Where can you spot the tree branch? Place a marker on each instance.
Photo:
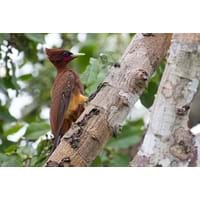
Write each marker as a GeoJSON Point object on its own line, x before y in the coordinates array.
{"type": "Point", "coordinates": [112, 102]}
{"type": "Point", "coordinates": [168, 140]}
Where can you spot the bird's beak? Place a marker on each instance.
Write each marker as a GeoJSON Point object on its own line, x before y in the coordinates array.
{"type": "Point", "coordinates": [77, 55]}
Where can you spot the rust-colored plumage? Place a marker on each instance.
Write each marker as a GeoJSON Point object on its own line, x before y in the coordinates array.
{"type": "Point", "coordinates": [67, 94]}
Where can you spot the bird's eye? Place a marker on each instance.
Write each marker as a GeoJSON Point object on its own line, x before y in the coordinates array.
{"type": "Point", "coordinates": [66, 53]}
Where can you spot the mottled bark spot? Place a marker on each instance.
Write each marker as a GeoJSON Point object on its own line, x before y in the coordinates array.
{"type": "Point", "coordinates": [116, 65]}
{"type": "Point", "coordinates": [148, 34]}
{"type": "Point", "coordinates": [52, 164]}
{"type": "Point", "coordinates": [183, 110]}
{"type": "Point", "coordinates": [167, 90]}
{"type": "Point", "coordinates": [183, 144]}
{"type": "Point", "coordinates": [139, 80]}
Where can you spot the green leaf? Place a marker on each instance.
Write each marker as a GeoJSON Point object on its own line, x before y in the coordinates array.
{"type": "Point", "coordinates": [43, 150]}
{"type": "Point", "coordinates": [44, 146]}
{"type": "Point", "coordinates": [39, 160]}
{"type": "Point", "coordinates": [125, 142]}
{"type": "Point", "coordinates": [83, 61]}
{"type": "Point", "coordinates": [7, 82]}
{"type": "Point", "coordinates": [13, 129]}
{"type": "Point", "coordinates": [5, 144]}
{"type": "Point", "coordinates": [10, 161]}
{"type": "Point", "coordinates": [96, 162]}
{"type": "Point", "coordinates": [11, 149]}
{"type": "Point", "coordinates": [90, 74]}
{"type": "Point", "coordinates": [119, 160]}
{"type": "Point", "coordinates": [36, 37]}
{"type": "Point", "coordinates": [94, 74]}
{"type": "Point", "coordinates": [26, 151]}
{"type": "Point", "coordinates": [148, 96]}
{"type": "Point", "coordinates": [28, 46]}
{"type": "Point", "coordinates": [5, 115]}
{"type": "Point", "coordinates": [4, 36]}
{"type": "Point", "coordinates": [25, 77]}
{"type": "Point", "coordinates": [36, 129]}
{"type": "Point", "coordinates": [131, 134]}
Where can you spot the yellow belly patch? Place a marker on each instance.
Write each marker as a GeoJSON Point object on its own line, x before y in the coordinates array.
{"type": "Point", "coordinates": [75, 101]}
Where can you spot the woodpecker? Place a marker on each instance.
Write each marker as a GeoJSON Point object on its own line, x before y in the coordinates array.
{"type": "Point", "coordinates": [67, 99]}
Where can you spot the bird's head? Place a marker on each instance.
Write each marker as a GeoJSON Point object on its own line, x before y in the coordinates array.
{"type": "Point", "coordinates": [61, 57]}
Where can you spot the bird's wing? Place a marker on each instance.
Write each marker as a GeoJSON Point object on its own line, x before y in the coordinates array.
{"type": "Point", "coordinates": [60, 100]}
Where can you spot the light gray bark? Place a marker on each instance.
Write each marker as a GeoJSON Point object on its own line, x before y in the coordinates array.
{"type": "Point", "coordinates": [168, 141]}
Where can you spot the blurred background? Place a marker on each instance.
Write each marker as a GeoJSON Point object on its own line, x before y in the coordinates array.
{"type": "Point", "coordinates": [26, 77]}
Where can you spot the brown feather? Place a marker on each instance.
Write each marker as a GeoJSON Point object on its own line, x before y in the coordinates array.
{"type": "Point", "coordinates": [67, 96]}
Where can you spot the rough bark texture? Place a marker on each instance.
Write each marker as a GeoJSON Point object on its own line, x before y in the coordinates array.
{"type": "Point", "coordinates": [111, 103]}
{"type": "Point", "coordinates": [168, 141]}
{"type": "Point", "coordinates": [197, 145]}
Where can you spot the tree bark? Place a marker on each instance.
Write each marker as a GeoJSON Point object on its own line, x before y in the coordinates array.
{"type": "Point", "coordinates": [168, 140]}
{"type": "Point", "coordinates": [196, 161]}
{"type": "Point", "coordinates": [111, 103]}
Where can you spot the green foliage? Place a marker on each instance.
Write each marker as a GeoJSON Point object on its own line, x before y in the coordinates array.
{"type": "Point", "coordinates": [28, 44]}
{"type": "Point", "coordinates": [36, 37]}
{"type": "Point", "coordinates": [148, 96]}
{"type": "Point", "coordinates": [96, 71]}
{"type": "Point", "coordinates": [4, 36]}
{"type": "Point", "coordinates": [5, 115]}
{"type": "Point", "coordinates": [119, 160]}
{"type": "Point", "coordinates": [21, 152]}
{"type": "Point", "coordinates": [13, 129]}
{"type": "Point", "coordinates": [117, 150]}
{"type": "Point", "coordinates": [11, 161]}
{"type": "Point", "coordinates": [130, 135]}
{"type": "Point", "coordinates": [36, 130]}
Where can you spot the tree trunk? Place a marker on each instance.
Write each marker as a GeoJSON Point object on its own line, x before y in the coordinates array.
{"type": "Point", "coordinates": [168, 140]}
{"type": "Point", "coordinates": [111, 103]}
